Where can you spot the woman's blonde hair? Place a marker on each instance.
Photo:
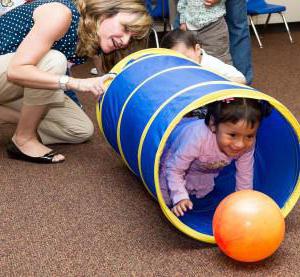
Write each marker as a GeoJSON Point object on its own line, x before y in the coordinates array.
{"type": "Point", "coordinates": [92, 11]}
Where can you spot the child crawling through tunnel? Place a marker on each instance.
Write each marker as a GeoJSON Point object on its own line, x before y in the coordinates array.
{"type": "Point", "coordinates": [198, 149]}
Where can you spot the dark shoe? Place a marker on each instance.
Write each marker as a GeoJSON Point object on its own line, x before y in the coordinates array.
{"type": "Point", "coordinates": [15, 153]}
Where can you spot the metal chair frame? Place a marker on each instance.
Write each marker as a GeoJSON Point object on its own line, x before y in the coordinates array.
{"type": "Point", "coordinates": [265, 25]}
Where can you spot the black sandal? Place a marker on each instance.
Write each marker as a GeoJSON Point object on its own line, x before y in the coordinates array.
{"type": "Point", "coordinates": [15, 153]}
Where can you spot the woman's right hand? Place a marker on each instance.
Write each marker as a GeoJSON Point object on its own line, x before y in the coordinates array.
{"type": "Point", "coordinates": [182, 206]}
{"type": "Point", "coordinates": [96, 86]}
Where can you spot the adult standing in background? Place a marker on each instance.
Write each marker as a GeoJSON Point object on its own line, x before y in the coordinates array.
{"type": "Point", "coordinates": [33, 63]}
{"type": "Point", "coordinates": [239, 36]}
{"type": "Point", "coordinates": [206, 19]}
{"type": "Point", "coordinates": [173, 14]}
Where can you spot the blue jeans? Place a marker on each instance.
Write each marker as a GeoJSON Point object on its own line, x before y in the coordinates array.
{"type": "Point", "coordinates": [239, 36]}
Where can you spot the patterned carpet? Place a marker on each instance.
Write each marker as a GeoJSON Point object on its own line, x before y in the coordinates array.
{"type": "Point", "coordinates": [91, 217]}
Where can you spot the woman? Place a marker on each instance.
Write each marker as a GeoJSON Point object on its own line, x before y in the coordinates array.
{"type": "Point", "coordinates": [33, 63]}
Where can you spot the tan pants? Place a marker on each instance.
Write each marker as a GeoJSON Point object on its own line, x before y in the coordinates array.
{"type": "Point", "coordinates": [65, 121]}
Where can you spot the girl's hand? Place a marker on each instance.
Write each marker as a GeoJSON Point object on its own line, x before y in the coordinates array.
{"type": "Point", "coordinates": [182, 206]}
{"type": "Point", "coordinates": [96, 86]}
{"type": "Point", "coordinates": [183, 27]}
{"type": "Point", "coordinates": [210, 3]}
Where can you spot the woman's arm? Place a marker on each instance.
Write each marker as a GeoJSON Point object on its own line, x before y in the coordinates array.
{"type": "Point", "coordinates": [51, 22]}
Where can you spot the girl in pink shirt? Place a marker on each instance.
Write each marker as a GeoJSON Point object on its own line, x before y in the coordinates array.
{"type": "Point", "coordinates": [198, 149]}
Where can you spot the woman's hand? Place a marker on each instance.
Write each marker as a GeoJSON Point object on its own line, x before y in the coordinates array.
{"type": "Point", "coordinates": [96, 86]}
{"type": "Point", "coordinates": [182, 206]}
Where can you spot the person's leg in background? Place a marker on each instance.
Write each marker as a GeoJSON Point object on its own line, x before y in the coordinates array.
{"type": "Point", "coordinates": [173, 14]}
{"type": "Point", "coordinates": [239, 36]}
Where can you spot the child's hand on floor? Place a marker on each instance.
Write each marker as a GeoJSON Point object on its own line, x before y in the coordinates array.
{"type": "Point", "coordinates": [182, 206]}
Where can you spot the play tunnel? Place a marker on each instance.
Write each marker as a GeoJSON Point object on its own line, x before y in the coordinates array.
{"type": "Point", "coordinates": [153, 90]}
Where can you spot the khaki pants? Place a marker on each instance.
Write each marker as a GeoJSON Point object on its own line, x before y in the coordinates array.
{"type": "Point", "coordinates": [64, 122]}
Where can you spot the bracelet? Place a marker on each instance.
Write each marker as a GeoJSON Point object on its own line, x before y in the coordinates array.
{"type": "Point", "coordinates": [63, 81]}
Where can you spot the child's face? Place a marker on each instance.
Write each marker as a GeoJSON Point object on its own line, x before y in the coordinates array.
{"type": "Point", "coordinates": [192, 53]}
{"type": "Point", "coordinates": [235, 139]}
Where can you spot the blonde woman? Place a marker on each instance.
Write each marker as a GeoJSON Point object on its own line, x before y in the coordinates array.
{"type": "Point", "coordinates": [33, 63]}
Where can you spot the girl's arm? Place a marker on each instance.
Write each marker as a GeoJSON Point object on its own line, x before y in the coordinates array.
{"type": "Point", "coordinates": [226, 70]}
{"type": "Point", "coordinates": [51, 22]}
{"type": "Point", "coordinates": [178, 164]}
{"type": "Point", "coordinates": [244, 171]}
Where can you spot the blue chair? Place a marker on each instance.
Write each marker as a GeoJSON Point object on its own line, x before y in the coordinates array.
{"type": "Point", "coordinates": [159, 10]}
{"type": "Point", "coordinates": [257, 7]}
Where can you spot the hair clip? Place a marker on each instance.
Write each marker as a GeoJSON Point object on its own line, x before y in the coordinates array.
{"type": "Point", "coordinates": [228, 100]}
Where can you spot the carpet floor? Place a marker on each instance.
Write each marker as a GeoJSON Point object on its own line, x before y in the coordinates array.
{"type": "Point", "coordinates": [90, 216]}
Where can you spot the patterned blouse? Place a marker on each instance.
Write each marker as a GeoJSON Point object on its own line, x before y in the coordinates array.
{"type": "Point", "coordinates": [195, 13]}
{"type": "Point", "coordinates": [17, 23]}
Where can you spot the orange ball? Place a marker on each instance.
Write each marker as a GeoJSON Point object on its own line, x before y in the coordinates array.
{"type": "Point", "coordinates": [248, 226]}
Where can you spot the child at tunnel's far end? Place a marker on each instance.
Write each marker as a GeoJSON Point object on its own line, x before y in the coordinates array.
{"type": "Point", "coordinates": [198, 149]}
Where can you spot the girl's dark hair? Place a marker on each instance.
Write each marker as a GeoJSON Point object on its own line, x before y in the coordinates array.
{"type": "Point", "coordinates": [234, 110]}
{"type": "Point", "coordinates": [178, 36]}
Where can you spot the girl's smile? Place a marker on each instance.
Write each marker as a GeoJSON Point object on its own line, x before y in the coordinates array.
{"type": "Point", "coordinates": [234, 139]}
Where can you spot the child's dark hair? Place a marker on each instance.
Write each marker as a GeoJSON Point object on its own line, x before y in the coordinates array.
{"type": "Point", "coordinates": [178, 36]}
{"type": "Point", "coordinates": [236, 109]}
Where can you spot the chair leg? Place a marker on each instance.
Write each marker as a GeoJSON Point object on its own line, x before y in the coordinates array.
{"type": "Point", "coordinates": [267, 21]}
{"type": "Point", "coordinates": [287, 27]}
{"type": "Point", "coordinates": [255, 32]}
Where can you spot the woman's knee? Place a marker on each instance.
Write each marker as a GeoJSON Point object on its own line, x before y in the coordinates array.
{"type": "Point", "coordinates": [86, 131]}
{"type": "Point", "coordinates": [54, 62]}
{"type": "Point", "coordinates": [80, 132]}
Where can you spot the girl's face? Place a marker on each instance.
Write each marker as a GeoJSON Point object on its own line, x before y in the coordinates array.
{"type": "Point", "coordinates": [192, 53]}
{"type": "Point", "coordinates": [235, 139]}
{"type": "Point", "coordinates": [112, 34]}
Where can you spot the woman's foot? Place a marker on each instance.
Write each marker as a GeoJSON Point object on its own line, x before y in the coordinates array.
{"type": "Point", "coordinates": [32, 150]}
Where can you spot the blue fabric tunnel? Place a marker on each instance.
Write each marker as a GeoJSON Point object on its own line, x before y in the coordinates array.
{"type": "Point", "coordinates": [152, 91]}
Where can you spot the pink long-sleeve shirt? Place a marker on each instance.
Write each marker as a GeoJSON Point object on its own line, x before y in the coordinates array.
{"type": "Point", "coordinates": [192, 161]}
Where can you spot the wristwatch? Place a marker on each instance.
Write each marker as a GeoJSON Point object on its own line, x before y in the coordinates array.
{"type": "Point", "coordinates": [63, 81]}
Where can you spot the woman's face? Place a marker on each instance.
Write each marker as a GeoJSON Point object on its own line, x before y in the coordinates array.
{"type": "Point", "coordinates": [111, 33]}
